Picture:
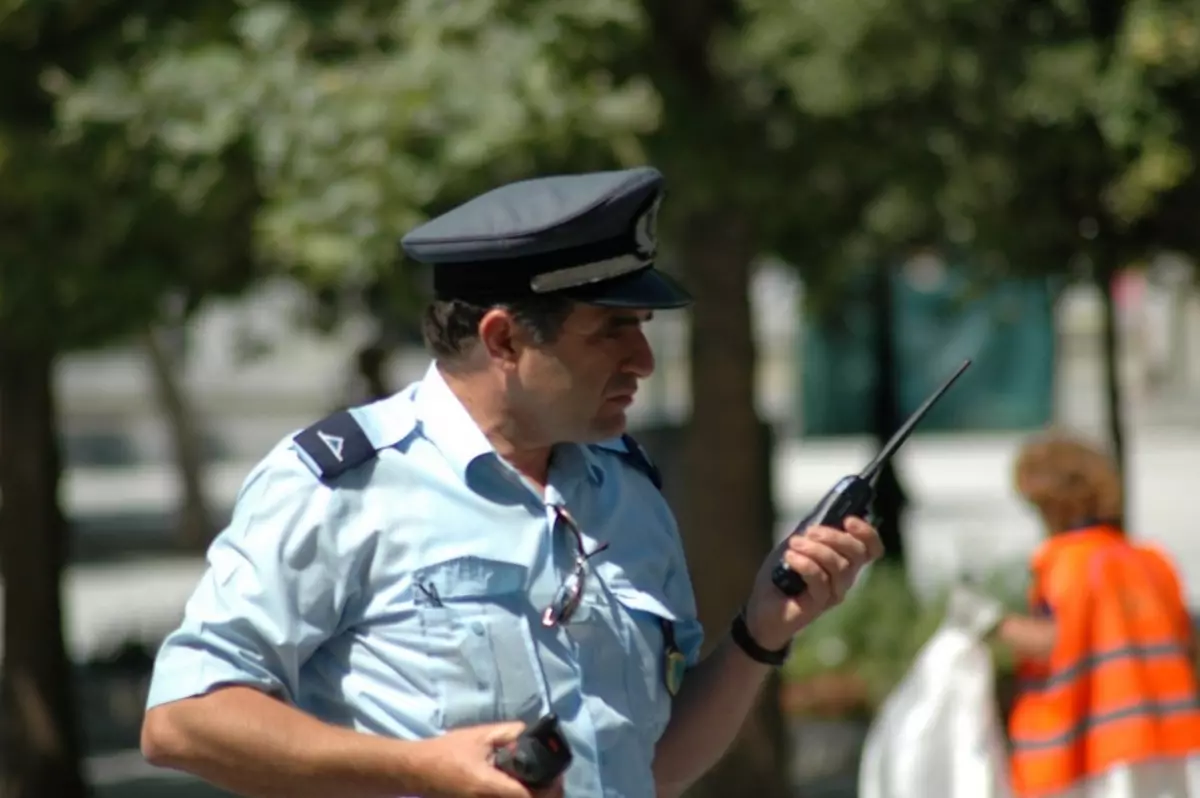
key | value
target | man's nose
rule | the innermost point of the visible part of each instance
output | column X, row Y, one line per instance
column 640, row 362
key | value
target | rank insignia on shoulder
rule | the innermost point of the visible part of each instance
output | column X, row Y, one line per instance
column 335, row 444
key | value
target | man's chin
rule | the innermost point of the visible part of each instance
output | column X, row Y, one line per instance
column 610, row 425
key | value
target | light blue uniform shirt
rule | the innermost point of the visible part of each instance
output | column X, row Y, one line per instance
column 404, row 597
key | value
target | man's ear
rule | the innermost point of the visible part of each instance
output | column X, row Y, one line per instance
column 499, row 333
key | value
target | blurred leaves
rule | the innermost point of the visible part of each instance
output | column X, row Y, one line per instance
column 876, row 634
column 92, row 244
column 365, row 118
column 997, row 127
column 91, row 248
column 849, row 131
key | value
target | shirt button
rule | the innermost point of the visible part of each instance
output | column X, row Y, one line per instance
column 477, row 627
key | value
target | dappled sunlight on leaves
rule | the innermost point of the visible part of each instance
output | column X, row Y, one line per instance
column 427, row 102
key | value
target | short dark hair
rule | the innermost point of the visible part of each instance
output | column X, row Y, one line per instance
column 451, row 326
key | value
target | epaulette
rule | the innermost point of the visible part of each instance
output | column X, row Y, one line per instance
column 337, row 444
column 632, row 453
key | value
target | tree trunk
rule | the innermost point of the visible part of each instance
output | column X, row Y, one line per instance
column 1115, row 406
column 726, row 517
column 196, row 526
column 370, row 361
column 41, row 753
column 890, row 499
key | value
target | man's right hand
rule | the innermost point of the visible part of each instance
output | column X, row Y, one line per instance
column 459, row 764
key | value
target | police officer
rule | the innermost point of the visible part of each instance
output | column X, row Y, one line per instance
column 403, row 586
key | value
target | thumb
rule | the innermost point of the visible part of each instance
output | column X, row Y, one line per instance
column 503, row 733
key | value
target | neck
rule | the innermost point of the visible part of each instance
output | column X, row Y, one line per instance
column 489, row 408
column 1086, row 524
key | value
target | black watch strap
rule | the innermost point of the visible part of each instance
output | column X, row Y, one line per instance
column 746, row 642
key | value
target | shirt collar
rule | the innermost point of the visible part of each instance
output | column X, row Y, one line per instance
column 595, row 469
column 448, row 426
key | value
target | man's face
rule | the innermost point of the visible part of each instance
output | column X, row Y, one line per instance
column 578, row 387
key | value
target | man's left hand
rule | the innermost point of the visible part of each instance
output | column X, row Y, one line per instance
column 829, row 560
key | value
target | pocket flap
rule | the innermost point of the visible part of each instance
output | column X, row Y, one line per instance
column 635, row 598
column 470, row 577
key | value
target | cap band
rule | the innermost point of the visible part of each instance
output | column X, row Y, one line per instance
column 516, row 278
column 587, row 273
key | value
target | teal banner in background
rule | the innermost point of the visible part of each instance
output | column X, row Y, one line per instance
column 1007, row 331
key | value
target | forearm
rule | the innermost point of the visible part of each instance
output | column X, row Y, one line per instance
column 706, row 716
column 1027, row 636
column 245, row 741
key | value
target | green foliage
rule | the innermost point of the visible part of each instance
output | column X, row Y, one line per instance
column 365, row 119
column 846, row 131
column 94, row 247
column 878, row 631
column 92, row 241
column 1028, row 134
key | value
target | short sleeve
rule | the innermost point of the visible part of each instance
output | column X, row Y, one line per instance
column 270, row 595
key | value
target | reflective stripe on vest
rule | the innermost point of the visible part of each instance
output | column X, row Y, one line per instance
column 1151, row 711
column 1119, row 687
column 1147, row 655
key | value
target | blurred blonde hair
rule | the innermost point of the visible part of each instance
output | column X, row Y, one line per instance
column 1068, row 480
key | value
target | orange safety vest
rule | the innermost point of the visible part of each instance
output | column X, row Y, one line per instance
column 1119, row 687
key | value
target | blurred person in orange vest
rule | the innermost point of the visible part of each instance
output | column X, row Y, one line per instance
column 1107, row 704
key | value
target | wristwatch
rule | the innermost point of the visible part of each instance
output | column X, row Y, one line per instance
column 746, row 642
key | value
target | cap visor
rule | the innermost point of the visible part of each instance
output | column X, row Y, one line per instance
column 648, row 288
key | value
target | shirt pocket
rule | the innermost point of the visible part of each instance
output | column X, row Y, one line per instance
column 645, row 612
column 476, row 635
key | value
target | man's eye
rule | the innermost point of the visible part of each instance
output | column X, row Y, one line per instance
column 620, row 330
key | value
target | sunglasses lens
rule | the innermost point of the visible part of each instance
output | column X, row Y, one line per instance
column 566, row 600
column 569, row 594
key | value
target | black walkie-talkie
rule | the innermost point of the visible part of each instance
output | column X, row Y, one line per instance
column 538, row 756
column 852, row 496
